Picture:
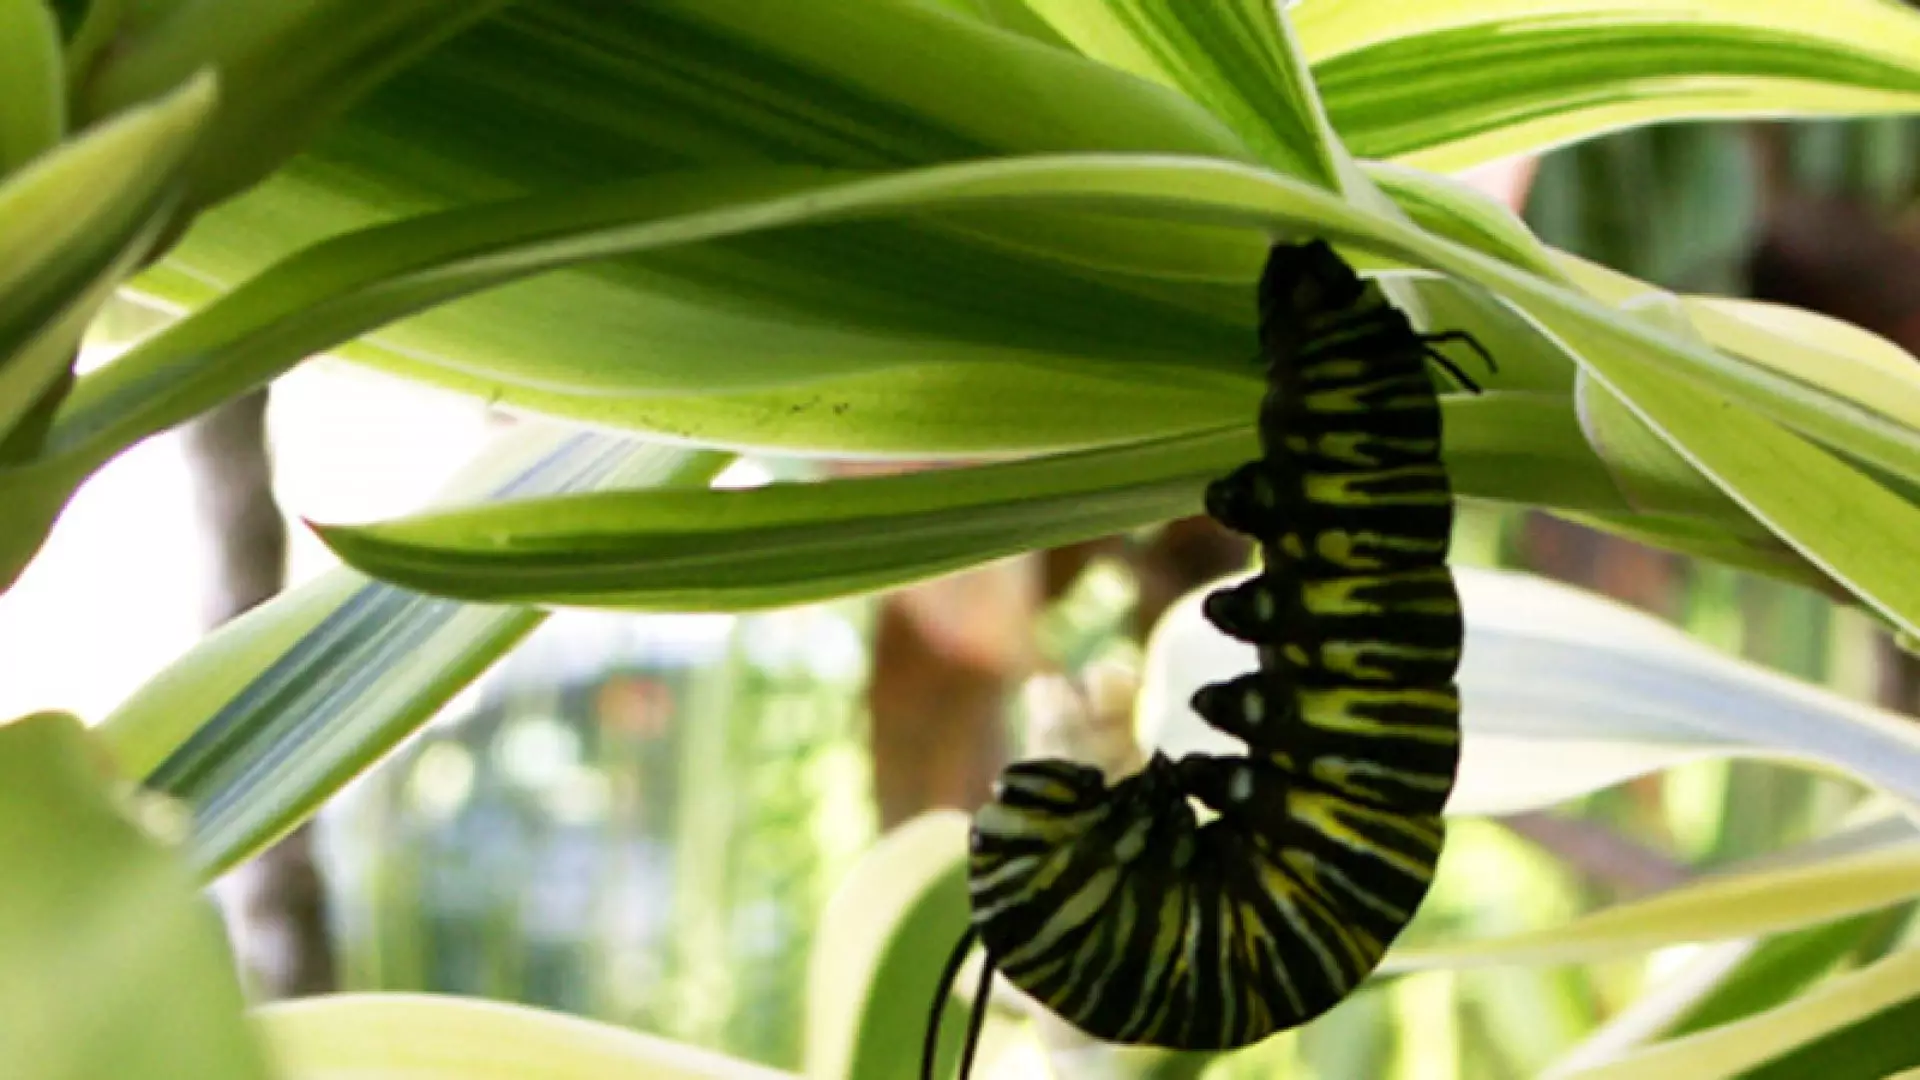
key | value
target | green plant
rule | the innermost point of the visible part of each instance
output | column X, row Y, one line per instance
column 1018, row 229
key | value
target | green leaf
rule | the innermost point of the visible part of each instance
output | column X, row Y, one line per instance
column 1564, row 692
column 1448, row 84
column 1013, row 15
column 1213, row 192
column 1232, row 56
column 1813, row 348
column 1837, row 517
column 34, row 495
column 116, row 965
column 1719, row 907
column 257, row 725
column 799, row 542
column 1832, row 357
column 879, row 949
column 33, row 92
column 1747, row 548
column 287, row 69
column 77, row 219
column 1462, row 214
column 1723, row 983
column 1779, row 969
column 1240, row 60
column 1613, row 347
column 1859, row 1024
column 613, row 92
column 340, row 289
column 434, row 1037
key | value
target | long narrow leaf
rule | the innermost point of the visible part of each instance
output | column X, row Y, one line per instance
column 793, row 543
column 435, row 1037
column 1859, row 1024
column 1448, row 84
column 1564, row 692
column 73, row 223
column 289, row 69
column 277, row 710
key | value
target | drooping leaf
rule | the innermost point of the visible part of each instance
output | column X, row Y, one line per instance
column 288, row 70
column 880, row 948
column 277, row 710
column 800, row 542
column 1448, row 84
column 1564, row 692
column 435, row 1037
column 1858, row 1024
column 72, row 223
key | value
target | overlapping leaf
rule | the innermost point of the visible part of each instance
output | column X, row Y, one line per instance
column 288, row 70
column 274, row 712
column 799, row 542
column 1446, row 84
column 1858, row 1024
column 72, row 224
column 433, row 1037
column 1564, row 692
column 619, row 115
column 881, row 945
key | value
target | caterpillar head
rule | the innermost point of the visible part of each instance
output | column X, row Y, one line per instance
column 1301, row 284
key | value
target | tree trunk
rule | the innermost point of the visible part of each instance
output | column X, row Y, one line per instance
column 275, row 904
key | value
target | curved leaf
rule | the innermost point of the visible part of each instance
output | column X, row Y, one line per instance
column 881, row 944
column 1716, row 908
column 604, row 94
column 289, row 69
column 1722, row 983
column 1448, row 84
column 1232, row 56
column 799, row 542
column 436, row 1037
column 268, row 716
column 1564, row 692
column 78, row 218
column 331, row 293
column 1858, row 1024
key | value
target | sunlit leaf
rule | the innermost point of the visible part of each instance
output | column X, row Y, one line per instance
column 278, row 709
column 1859, row 1024
column 398, row 1036
column 76, row 220
column 288, row 70
column 1564, row 692
column 879, row 950
column 1448, row 84
column 116, row 964
column 800, row 542
column 1231, row 56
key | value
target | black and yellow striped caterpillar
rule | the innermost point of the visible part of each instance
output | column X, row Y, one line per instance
column 1115, row 906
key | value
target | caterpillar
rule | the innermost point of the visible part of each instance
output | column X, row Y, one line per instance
column 1116, row 906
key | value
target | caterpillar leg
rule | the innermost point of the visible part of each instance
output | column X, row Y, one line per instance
column 930, row 1048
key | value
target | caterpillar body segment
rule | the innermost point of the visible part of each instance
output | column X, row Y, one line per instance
column 1141, row 921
